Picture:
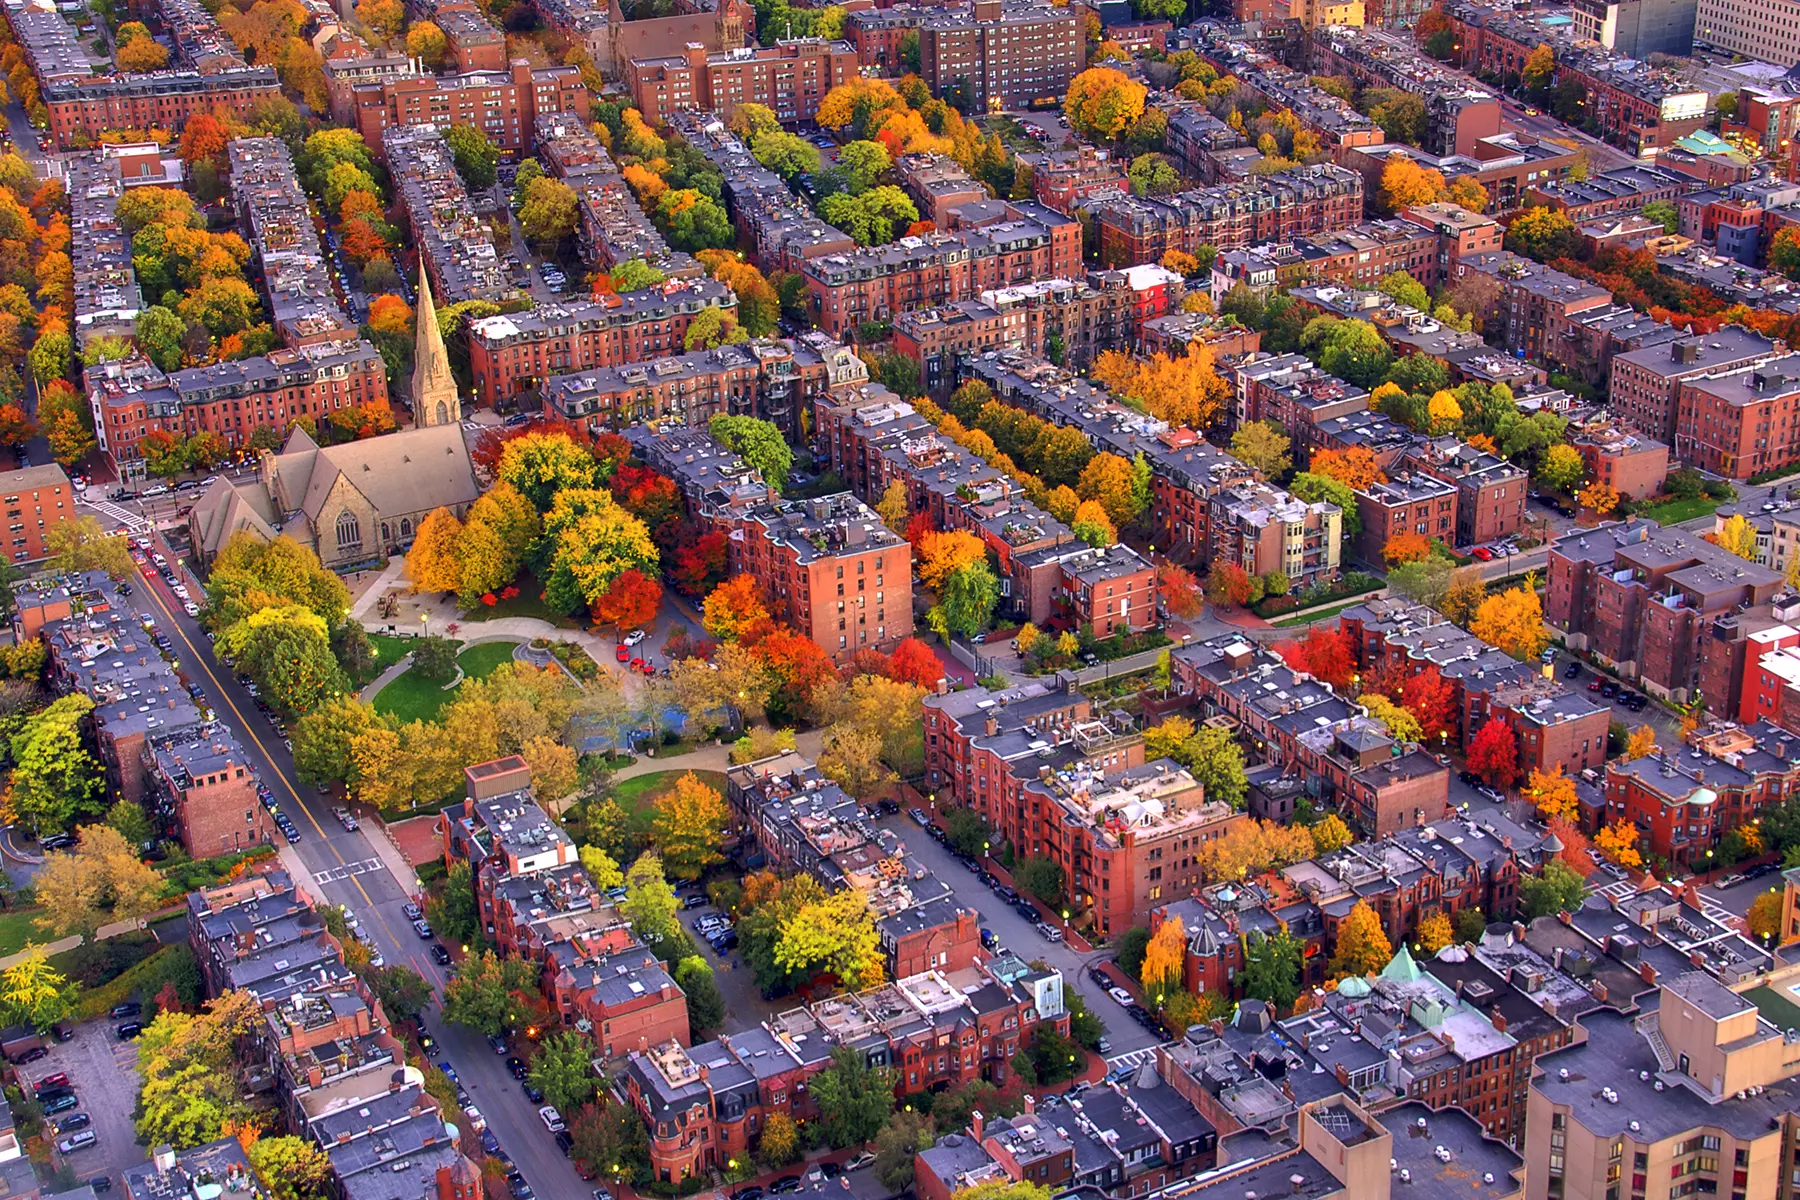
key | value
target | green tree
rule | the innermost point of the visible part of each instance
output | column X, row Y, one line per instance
column 563, row 1069
column 634, row 275
column 130, row 821
column 759, row 443
column 287, row 650
column 900, row 1140
column 476, row 158
column 486, row 993
column 854, row 1099
column 160, row 334
column 454, row 911
column 1040, row 877
column 966, row 601
column 1314, row 488
column 323, row 737
column 1664, row 211
column 34, row 993
column 1557, row 888
column 403, row 992
column 290, row 1168
column 1355, row 352
column 650, row 904
column 786, row 154
column 548, row 214
column 434, row 657
column 1402, row 287
column 861, row 164
column 705, row 1003
column 1272, row 968
column 1133, row 944
column 55, row 778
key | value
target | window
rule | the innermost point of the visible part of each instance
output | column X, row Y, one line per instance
column 349, row 532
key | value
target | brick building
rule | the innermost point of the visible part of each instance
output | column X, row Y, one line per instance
column 939, row 184
column 1290, row 391
column 474, row 44
column 1535, row 295
column 80, row 111
column 455, row 245
column 1061, row 179
column 1741, row 422
column 1305, row 200
column 1458, row 111
column 1645, row 387
column 1584, row 344
column 36, row 499
column 1264, row 530
column 1001, row 53
column 515, row 352
column 1640, row 598
column 1624, row 190
column 205, row 790
column 503, row 104
column 789, row 78
column 1634, row 464
column 107, row 297
column 278, row 219
column 1490, row 492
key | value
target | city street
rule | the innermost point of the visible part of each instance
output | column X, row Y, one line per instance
column 345, row 869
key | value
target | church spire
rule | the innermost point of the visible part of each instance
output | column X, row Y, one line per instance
column 433, row 394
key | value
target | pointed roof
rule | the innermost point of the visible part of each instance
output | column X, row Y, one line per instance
column 1401, row 968
column 431, row 378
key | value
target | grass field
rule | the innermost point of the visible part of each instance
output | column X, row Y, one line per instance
column 637, row 795
column 388, row 651
column 414, row 698
column 1320, row 615
column 525, row 604
column 1673, row 512
column 19, row 926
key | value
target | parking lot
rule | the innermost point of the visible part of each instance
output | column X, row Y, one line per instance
column 103, row 1072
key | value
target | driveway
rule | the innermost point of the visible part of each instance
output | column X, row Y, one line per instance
column 1019, row 935
column 744, row 1006
column 103, row 1072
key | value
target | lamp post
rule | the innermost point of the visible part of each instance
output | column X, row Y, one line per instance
column 424, row 624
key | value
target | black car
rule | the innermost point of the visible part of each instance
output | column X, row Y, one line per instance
column 696, row 900
column 517, row 1066
column 565, row 1142
column 101, row 1183
column 489, row 1143
column 440, row 954
column 531, row 1093
column 30, row 1056
column 786, row 1184
column 886, row 808
column 131, row 1008
column 129, row 1031
column 1572, row 670
column 748, row 1193
column 74, row 1121
column 1469, row 778
column 831, row 1170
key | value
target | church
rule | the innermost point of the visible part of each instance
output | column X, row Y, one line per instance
column 360, row 502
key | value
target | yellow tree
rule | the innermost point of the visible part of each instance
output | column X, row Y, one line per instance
column 835, row 934
column 689, row 826
column 1107, row 478
column 941, row 555
column 1736, row 535
column 1435, row 932
column 1103, row 103
column 1164, row 958
column 1467, row 192
column 1513, row 622
column 432, row 564
column 1355, row 468
column 1553, row 793
column 894, row 508
column 1444, row 411
column 1601, row 497
column 1402, row 725
column 1331, row 834
column 1362, row 945
column 1406, row 184
column 1026, row 638
column 1641, row 742
column 1764, row 917
column 1619, row 843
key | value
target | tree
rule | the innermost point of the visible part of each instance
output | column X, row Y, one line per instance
column 486, row 993
column 1403, row 288
column 1736, row 535
column 1362, row 945
column 1003, row 1189
column 689, row 826
column 287, row 650
column 142, row 55
column 1422, row 581
column 734, row 609
column 966, row 601
column 1641, row 742
column 780, row 1142
column 1179, row 591
column 1601, row 498
column 1040, row 877
column 1542, row 234
column 1406, row 546
column 290, row 1168
column 1331, row 834
column 131, row 823
column 403, row 992
column 1513, row 622
column 1618, row 843
column 1553, row 890
column 54, row 776
column 34, row 993
column 1092, row 525
column 563, row 1069
column 1165, row 958
column 1561, row 468
column 1326, row 654
column 384, row 17
column 1272, row 968
column 759, row 443
column 426, row 41
column 1435, row 931
column 434, row 657
column 81, row 544
column 631, row 601
column 1494, row 754
column 1355, row 468
column 475, row 156
column 432, row 563
column 649, row 903
column 1355, row 352
column 914, row 663
column 705, row 1003
column 854, row 1099
column 549, row 213
column 1264, row 446
column 900, row 1140
column 1406, row 184
column 1102, row 103
column 942, row 554
column 1764, row 916
column 1153, row 175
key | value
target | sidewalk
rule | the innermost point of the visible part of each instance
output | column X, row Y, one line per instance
column 711, row 758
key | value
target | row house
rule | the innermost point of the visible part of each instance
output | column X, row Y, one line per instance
column 1584, row 344
column 1505, row 165
column 52, row 48
column 296, row 278
column 1490, row 491
column 1534, row 296
column 775, row 379
column 611, row 228
column 1312, row 199
column 1458, row 111
column 1407, row 503
column 131, row 398
column 1334, row 120
column 704, row 1105
column 1682, row 801
column 1290, row 391
column 515, row 352
column 455, row 245
column 230, row 923
column 1345, row 759
column 504, row 105
column 627, row 999
column 199, row 41
column 1058, row 780
column 1642, row 598
column 875, row 284
column 797, row 820
column 82, row 110
column 107, row 297
column 1645, row 386
column 1741, row 423
column 205, row 790
column 1267, row 531
column 1062, row 179
column 1623, row 190
column 940, row 185
column 789, row 78
column 1195, row 137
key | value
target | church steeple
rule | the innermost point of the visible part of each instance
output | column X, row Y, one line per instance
column 433, row 393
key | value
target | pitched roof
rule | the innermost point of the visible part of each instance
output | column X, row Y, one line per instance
column 223, row 509
column 413, row 470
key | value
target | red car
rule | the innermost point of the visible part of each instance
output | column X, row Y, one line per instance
column 637, row 664
column 1482, row 553
column 624, row 652
column 1593, row 685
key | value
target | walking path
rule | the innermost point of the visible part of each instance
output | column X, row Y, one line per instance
column 56, row 947
column 382, row 680
column 711, row 757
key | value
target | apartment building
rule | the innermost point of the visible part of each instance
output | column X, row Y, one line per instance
column 1768, row 33
column 1683, row 800
column 474, row 44
column 107, row 299
column 36, row 500
column 1290, row 391
column 454, row 244
column 613, row 228
column 1459, row 112
column 1001, row 53
column 515, row 352
column 199, row 41
column 1646, row 384
column 1622, row 190
column 1336, row 122
column 1621, row 458
column 1535, row 295
column 1742, row 422
column 1407, row 503
column 503, row 104
column 877, row 34
column 874, row 284
column 1584, row 344
column 800, row 821
column 1124, row 830
column 296, row 278
column 82, row 110
column 204, row 790
column 1490, row 491
column 1265, row 530
column 132, row 399
column 789, row 78
column 1061, row 179
column 1134, row 229
column 940, row 186
column 52, row 48
column 771, row 378
column 830, row 568
column 1640, row 598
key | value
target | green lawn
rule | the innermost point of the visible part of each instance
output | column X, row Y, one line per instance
column 19, row 926
column 525, row 604
column 388, row 651
column 414, row 698
column 1320, row 615
column 1674, row 512
column 637, row 795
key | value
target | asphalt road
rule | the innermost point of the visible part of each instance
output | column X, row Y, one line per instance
column 103, row 1072
column 1018, row 935
column 346, row 870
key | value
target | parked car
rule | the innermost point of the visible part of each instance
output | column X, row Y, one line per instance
column 411, row 912
column 131, row 1008
column 989, row 941
column 1050, row 932
column 1121, row 995
column 129, row 1031
column 786, row 1184
column 531, row 1092
column 858, row 1162
column 440, row 954
column 1572, row 670
column 80, row 1141
column 428, row 1044
column 497, row 1043
column 101, row 1183
column 61, row 1104
column 694, row 900
column 516, row 1065
column 919, row 817
column 551, row 1118
column 72, row 1122
column 421, row 928
column 344, row 818
column 49, row 1083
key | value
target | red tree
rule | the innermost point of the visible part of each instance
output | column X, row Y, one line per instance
column 1228, row 583
column 1431, row 699
column 1494, row 754
column 1575, row 845
column 798, row 663
column 649, row 496
column 1325, row 655
column 870, row 662
column 699, row 563
column 630, row 603
column 15, row 427
column 1180, row 591
column 913, row 662
column 917, row 528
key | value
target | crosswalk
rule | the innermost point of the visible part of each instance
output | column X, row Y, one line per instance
column 133, row 522
column 1621, row 888
column 362, row 866
column 1132, row 1059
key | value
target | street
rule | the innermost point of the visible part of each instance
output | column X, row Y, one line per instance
column 344, row 868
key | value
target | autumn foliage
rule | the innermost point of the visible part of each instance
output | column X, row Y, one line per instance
column 1326, row 655
column 1494, row 754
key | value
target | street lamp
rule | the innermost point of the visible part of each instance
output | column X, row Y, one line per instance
column 424, row 624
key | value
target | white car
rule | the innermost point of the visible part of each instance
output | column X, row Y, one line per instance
column 635, row 636
column 551, row 1118
column 192, row 609
column 1121, row 995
